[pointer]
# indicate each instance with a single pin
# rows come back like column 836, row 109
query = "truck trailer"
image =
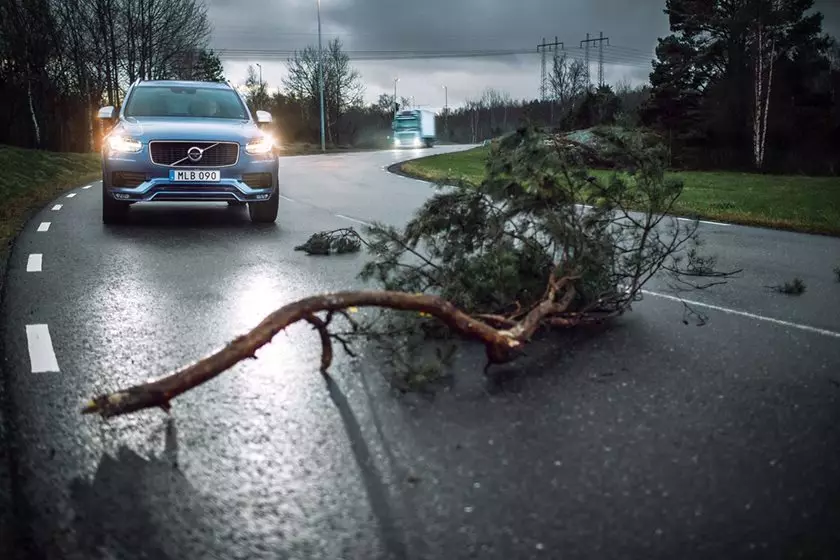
column 414, row 128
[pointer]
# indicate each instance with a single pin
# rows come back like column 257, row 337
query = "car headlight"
column 260, row 146
column 124, row 144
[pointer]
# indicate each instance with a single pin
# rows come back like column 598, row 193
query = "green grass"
column 29, row 179
column 792, row 202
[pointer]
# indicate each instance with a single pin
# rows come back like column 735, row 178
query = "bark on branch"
column 501, row 345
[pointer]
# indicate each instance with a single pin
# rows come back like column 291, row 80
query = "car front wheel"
column 113, row 211
column 265, row 212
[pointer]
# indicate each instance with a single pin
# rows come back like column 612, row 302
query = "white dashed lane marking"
column 45, row 226
column 35, row 262
column 71, row 195
column 87, row 187
column 56, row 208
column 41, row 353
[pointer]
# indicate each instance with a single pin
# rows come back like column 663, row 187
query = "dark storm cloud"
column 449, row 25
column 437, row 24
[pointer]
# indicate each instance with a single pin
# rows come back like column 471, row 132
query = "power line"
column 612, row 55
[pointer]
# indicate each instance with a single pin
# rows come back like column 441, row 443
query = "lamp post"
column 395, row 95
column 321, row 79
column 445, row 110
column 259, row 91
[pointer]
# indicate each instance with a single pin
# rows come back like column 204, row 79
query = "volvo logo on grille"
column 195, row 153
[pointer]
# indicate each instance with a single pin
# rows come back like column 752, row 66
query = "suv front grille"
column 216, row 154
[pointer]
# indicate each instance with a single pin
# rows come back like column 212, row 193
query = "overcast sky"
column 632, row 27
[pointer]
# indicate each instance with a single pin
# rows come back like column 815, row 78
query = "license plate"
column 195, row 175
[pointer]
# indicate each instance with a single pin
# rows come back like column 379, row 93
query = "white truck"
column 414, row 128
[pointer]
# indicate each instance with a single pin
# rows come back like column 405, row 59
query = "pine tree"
column 209, row 67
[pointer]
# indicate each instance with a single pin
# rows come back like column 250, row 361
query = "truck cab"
column 414, row 128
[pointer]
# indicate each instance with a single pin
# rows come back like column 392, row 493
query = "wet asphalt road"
column 648, row 439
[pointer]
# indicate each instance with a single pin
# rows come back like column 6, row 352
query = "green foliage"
column 339, row 241
column 490, row 246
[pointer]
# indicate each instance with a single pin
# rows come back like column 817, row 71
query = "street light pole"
column 321, row 79
column 259, row 91
column 395, row 95
column 445, row 110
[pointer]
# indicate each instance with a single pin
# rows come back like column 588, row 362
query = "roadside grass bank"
column 787, row 202
column 29, row 179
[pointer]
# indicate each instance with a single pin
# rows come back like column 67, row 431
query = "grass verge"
column 29, row 179
column 789, row 202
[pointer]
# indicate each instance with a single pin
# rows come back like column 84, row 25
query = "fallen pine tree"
column 538, row 244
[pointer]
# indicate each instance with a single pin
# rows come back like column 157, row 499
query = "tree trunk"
column 767, row 102
column 757, row 103
column 34, row 117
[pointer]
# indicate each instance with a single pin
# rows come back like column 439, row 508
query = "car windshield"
column 174, row 101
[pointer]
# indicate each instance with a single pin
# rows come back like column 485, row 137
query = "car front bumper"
column 133, row 178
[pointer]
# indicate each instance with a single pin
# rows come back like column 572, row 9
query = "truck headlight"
column 124, row 144
column 260, row 146
column 417, row 142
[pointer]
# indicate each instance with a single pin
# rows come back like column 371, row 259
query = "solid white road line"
column 788, row 324
column 35, row 262
column 287, row 198
column 41, row 353
column 87, row 187
column 343, row 217
column 71, row 195
column 45, row 226
column 57, row 207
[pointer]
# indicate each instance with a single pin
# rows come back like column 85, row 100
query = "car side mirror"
column 264, row 117
column 106, row 113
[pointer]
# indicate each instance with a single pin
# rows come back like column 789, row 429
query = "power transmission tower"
column 543, row 48
column 600, row 40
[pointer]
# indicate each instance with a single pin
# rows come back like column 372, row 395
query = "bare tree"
column 256, row 94
column 567, row 81
column 342, row 84
column 495, row 101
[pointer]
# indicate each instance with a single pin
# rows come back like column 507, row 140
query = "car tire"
column 265, row 212
column 113, row 211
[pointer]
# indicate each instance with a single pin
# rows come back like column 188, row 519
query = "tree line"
column 350, row 122
column 748, row 84
column 60, row 60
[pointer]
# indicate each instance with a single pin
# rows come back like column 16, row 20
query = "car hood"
column 147, row 129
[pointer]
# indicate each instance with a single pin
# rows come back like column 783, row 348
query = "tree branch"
column 501, row 345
